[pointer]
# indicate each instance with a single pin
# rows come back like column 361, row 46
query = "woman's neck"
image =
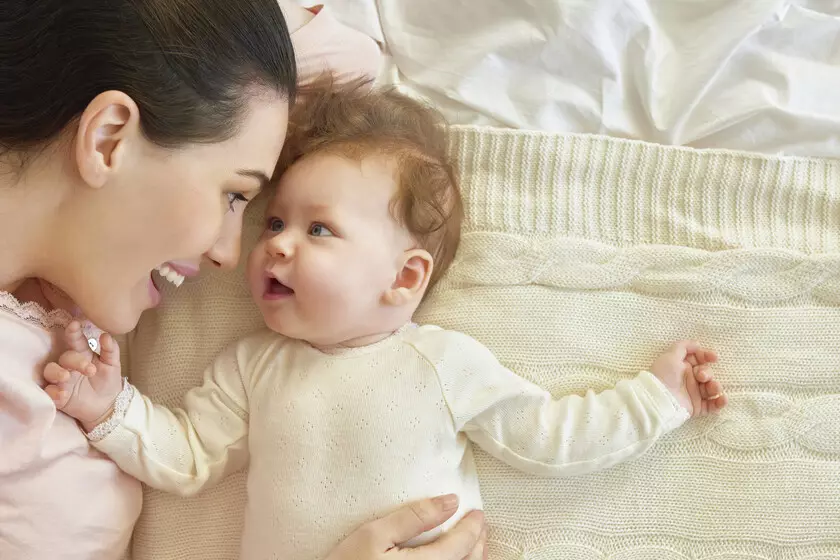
column 26, row 208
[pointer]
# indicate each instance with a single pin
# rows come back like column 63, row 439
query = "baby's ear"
column 412, row 279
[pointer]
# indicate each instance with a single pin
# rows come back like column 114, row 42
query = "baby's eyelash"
column 318, row 227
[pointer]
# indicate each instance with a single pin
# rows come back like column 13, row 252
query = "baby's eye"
column 276, row 225
column 320, row 230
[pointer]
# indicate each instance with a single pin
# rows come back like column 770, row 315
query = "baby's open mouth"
column 277, row 288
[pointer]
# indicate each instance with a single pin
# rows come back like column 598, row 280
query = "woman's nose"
column 225, row 252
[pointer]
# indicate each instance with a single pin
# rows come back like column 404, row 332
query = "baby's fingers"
column 713, row 396
column 55, row 374
column 77, row 361
column 704, row 356
column 58, row 395
column 75, row 338
column 685, row 348
column 109, row 353
column 711, row 389
column 702, row 374
column 718, row 403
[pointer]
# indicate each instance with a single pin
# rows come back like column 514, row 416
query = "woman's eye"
column 233, row 198
column 320, row 230
column 276, row 225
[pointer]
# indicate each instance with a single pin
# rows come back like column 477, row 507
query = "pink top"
column 326, row 45
column 60, row 499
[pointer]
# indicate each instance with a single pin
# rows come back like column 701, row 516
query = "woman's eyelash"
column 233, row 198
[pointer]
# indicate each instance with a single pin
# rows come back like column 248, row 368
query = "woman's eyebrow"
column 258, row 175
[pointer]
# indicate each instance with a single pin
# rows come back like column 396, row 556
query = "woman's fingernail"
column 447, row 503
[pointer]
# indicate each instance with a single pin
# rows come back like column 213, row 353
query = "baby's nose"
column 280, row 246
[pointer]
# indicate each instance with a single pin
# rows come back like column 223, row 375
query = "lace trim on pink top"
column 33, row 313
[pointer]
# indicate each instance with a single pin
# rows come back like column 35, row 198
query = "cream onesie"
column 339, row 437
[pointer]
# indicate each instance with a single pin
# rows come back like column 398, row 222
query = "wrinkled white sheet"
column 758, row 75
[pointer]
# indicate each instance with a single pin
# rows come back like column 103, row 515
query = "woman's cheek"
column 196, row 229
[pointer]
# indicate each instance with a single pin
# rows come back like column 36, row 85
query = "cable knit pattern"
column 582, row 258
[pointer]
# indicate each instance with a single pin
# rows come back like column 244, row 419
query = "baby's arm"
column 179, row 451
column 522, row 425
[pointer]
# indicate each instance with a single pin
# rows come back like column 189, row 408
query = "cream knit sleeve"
column 522, row 425
column 183, row 450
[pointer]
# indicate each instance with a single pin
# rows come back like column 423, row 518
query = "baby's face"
column 330, row 250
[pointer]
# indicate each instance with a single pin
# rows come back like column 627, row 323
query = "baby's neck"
column 360, row 341
column 366, row 340
column 380, row 327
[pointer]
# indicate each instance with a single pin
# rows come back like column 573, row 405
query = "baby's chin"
column 283, row 328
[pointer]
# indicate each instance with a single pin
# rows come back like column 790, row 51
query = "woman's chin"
column 121, row 312
column 114, row 323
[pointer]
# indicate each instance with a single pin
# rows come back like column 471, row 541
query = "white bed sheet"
column 757, row 75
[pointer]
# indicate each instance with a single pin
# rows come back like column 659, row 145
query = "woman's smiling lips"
column 173, row 272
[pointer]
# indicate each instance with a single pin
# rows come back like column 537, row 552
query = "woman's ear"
column 106, row 124
column 412, row 279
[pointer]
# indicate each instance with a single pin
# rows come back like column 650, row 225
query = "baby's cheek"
column 254, row 263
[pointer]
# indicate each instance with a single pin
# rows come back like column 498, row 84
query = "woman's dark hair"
column 190, row 65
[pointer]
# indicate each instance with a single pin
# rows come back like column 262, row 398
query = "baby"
column 344, row 408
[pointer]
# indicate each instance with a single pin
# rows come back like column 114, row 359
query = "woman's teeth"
column 171, row 275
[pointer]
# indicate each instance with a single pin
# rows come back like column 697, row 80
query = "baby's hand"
column 84, row 385
column 684, row 370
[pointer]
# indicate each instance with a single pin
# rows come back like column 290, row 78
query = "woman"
column 132, row 133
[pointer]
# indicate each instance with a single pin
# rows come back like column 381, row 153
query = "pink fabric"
column 60, row 499
column 324, row 44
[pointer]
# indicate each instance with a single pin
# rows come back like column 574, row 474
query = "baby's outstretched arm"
column 179, row 451
column 523, row 425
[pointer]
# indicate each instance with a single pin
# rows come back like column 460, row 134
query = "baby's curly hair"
column 357, row 121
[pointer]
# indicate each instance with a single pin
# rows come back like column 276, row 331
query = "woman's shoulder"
column 30, row 313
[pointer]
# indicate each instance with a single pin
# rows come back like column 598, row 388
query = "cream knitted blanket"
column 582, row 258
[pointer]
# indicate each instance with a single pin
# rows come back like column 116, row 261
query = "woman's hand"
column 378, row 539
